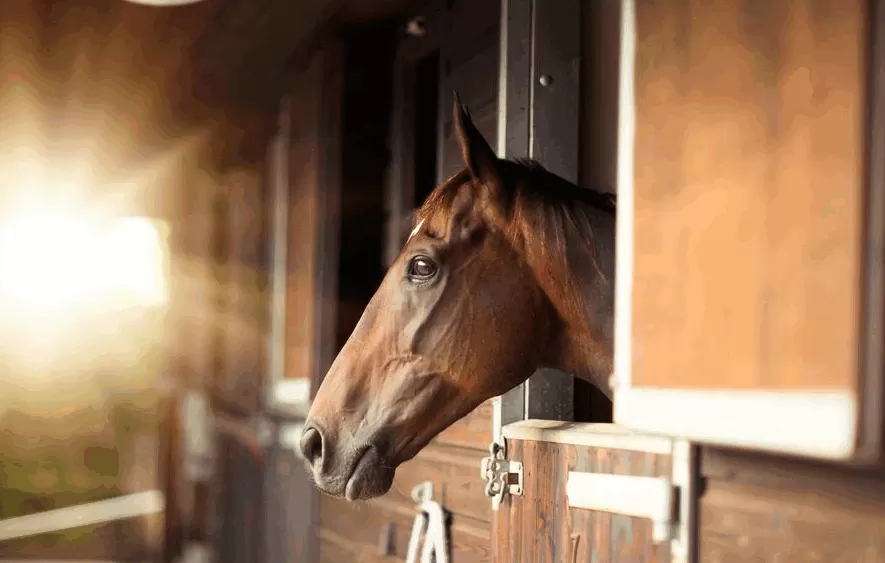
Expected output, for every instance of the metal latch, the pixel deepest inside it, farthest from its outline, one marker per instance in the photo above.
(500, 474)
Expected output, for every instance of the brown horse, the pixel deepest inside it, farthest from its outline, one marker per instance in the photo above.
(509, 268)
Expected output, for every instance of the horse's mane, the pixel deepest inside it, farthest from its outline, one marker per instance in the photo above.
(548, 206)
(531, 179)
(555, 188)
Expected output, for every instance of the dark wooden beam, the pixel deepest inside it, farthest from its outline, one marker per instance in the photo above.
(539, 108)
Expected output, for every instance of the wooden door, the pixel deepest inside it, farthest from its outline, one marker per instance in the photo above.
(556, 517)
(749, 271)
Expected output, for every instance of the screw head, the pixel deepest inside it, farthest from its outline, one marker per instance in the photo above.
(416, 27)
(546, 80)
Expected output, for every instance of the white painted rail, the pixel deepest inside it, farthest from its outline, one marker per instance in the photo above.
(118, 508)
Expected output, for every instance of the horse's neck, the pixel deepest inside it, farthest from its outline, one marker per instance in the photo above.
(585, 345)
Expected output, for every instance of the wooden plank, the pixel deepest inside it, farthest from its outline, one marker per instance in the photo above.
(454, 473)
(749, 523)
(873, 322)
(600, 38)
(542, 40)
(511, 513)
(363, 525)
(594, 435)
(472, 431)
(759, 507)
(303, 223)
(556, 86)
(476, 78)
(755, 199)
(513, 128)
(473, 23)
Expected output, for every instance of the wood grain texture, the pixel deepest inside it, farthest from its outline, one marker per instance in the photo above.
(473, 431)
(762, 508)
(540, 526)
(357, 528)
(748, 185)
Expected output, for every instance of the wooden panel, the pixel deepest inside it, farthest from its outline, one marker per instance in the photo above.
(759, 508)
(244, 317)
(600, 38)
(474, 23)
(472, 431)
(364, 526)
(541, 527)
(303, 225)
(358, 528)
(454, 473)
(748, 184)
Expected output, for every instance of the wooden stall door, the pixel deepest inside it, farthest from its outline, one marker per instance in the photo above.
(748, 294)
(547, 524)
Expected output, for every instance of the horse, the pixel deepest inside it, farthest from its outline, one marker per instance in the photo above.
(509, 268)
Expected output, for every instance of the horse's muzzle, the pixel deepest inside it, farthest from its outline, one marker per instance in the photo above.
(345, 470)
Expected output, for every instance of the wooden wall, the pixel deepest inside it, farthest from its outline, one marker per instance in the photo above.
(758, 508)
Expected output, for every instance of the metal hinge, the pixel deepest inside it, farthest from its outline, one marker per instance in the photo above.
(500, 474)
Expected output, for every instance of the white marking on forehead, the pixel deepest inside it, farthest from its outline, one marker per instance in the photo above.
(417, 229)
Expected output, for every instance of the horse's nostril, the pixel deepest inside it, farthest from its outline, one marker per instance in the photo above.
(312, 445)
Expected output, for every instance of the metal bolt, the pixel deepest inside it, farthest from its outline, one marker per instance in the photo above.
(416, 27)
(546, 80)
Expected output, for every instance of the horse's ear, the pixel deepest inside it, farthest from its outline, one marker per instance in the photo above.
(479, 158)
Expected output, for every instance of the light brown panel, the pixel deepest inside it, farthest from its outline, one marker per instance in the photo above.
(540, 526)
(748, 191)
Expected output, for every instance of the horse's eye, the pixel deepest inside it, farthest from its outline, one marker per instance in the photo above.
(421, 268)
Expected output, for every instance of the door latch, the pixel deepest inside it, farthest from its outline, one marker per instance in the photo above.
(501, 475)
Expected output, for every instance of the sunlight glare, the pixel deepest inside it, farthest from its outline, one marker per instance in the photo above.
(58, 261)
